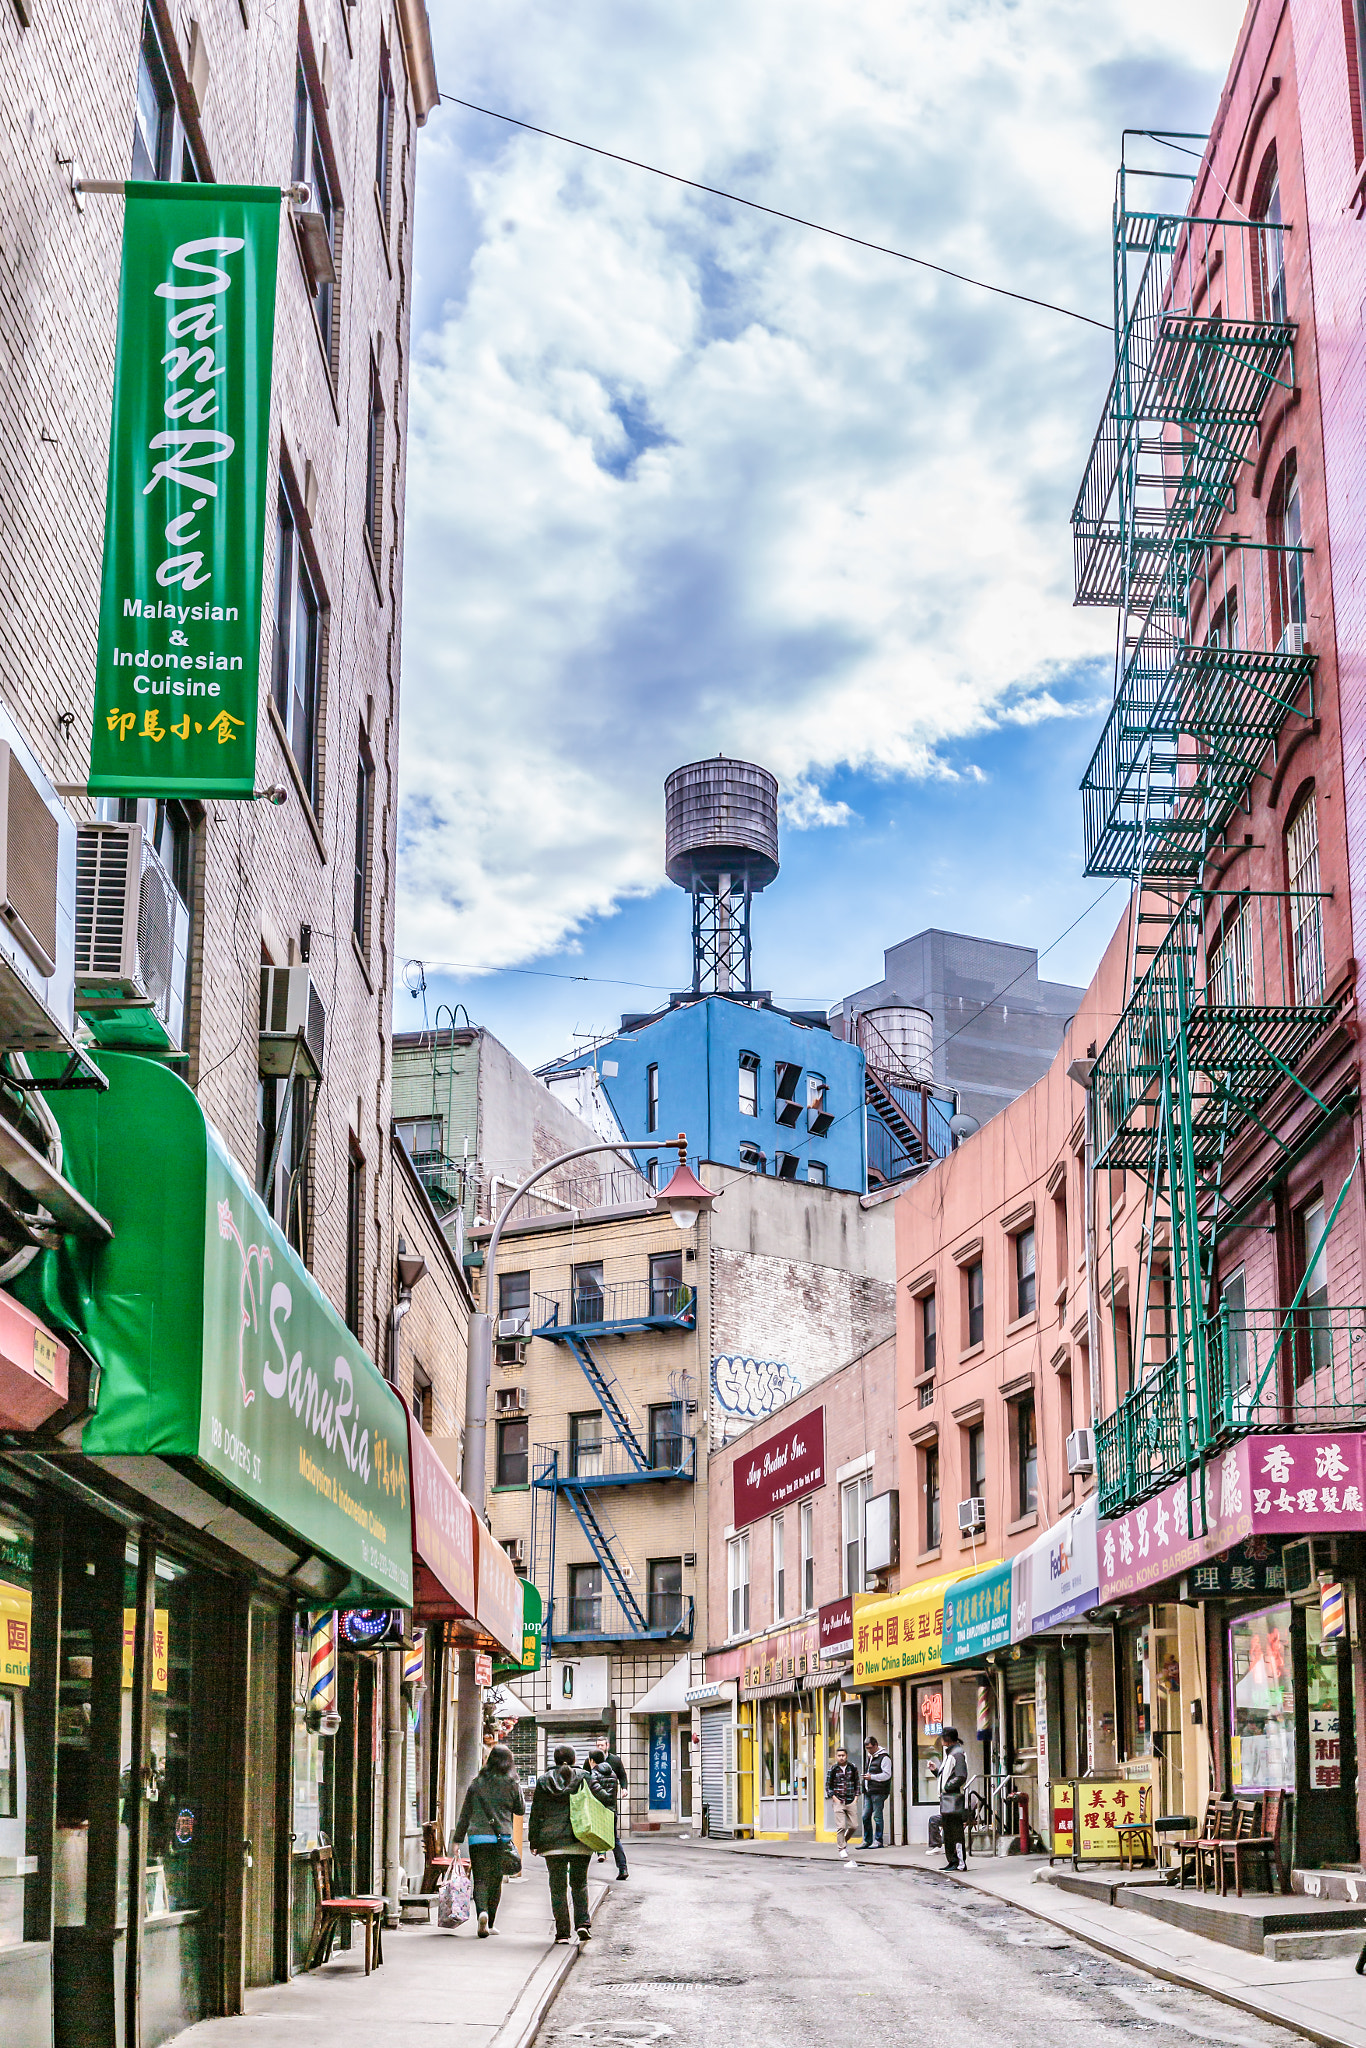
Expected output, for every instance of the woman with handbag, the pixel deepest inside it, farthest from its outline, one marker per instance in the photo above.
(485, 1822)
(551, 1834)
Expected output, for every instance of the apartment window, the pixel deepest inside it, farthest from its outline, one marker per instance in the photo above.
(1355, 25)
(162, 150)
(1065, 1409)
(1311, 1254)
(283, 1113)
(1229, 981)
(652, 1172)
(977, 1461)
(585, 1445)
(512, 1453)
(1285, 530)
(749, 1084)
(422, 1400)
(652, 1098)
(667, 1432)
(1026, 1457)
(1271, 265)
(514, 1294)
(588, 1301)
(1024, 1273)
(420, 1136)
(1306, 908)
(806, 1518)
(665, 1587)
(666, 1283)
(384, 132)
(815, 1172)
(585, 1599)
(852, 1498)
(1233, 1320)
(974, 1287)
(737, 1579)
(1223, 630)
(929, 1334)
(298, 647)
(779, 1528)
(930, 1484)
(360, 881)
(310, 168)
(355, 1223)
(752, 1159)
(374, 466)
(819, 1116)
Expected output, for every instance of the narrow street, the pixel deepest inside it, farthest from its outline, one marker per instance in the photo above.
(699, 1947)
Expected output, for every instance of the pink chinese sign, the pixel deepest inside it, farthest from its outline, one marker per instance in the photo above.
(1266, 1485)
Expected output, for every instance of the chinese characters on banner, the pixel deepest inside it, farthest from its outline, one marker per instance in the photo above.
(161, 1628)
(977, 1615)
(788, 1655)
(905, 1634)
(178, 664)
(1103, 1809)
(1325, 1750)
(661, 1765)
(1272, 1485)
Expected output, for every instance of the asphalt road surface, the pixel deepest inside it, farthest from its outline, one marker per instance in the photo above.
(707, 1948)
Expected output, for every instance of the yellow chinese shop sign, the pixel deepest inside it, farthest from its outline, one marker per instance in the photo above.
(161, 1631)
(16, 1622)
(900, 1637)
(1104, 1808)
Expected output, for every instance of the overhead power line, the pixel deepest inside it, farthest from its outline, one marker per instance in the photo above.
(776, 213)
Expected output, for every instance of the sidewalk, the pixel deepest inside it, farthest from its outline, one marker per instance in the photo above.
(1326, 2001)
(496, 1990)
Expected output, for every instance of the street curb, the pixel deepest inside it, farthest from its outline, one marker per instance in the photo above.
(521, 2026)
(1168, 1976)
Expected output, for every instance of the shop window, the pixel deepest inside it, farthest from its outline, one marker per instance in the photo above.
(930, 1489)
(587, 1291)
(1262, 1685)
(973, 1281)
(1324, 1691)
(180, 1762)
(749, 1084)
(513, 1453)
(928, 1730)
(853, 1495)
(652, 1098)
(1306, 907)
(664, 1577)
(1023, 1729)
(666, 1283)
(737, 1578)
(585, 1445)
(1026, 1428)
(779, 1528)
(585, 1599)
(514, 1294)
(1024, 1273)
(16, 1649)
(806, 1526)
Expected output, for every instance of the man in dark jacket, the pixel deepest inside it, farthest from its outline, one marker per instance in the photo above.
(953, 1779)
(606, 1778)
(877, 1783)
(841, 1789)
(550, 1833)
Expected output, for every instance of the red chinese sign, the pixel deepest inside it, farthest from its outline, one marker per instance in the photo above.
(779, 1469)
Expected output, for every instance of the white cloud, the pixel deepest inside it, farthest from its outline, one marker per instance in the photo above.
(685, 479)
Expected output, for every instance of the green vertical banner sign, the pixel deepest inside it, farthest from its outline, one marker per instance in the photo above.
(177, 678)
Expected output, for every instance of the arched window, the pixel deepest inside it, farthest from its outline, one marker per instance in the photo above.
(1285, 536)
(1223, 630)
(1306, 906)
(1354, 22)
(1270, 244)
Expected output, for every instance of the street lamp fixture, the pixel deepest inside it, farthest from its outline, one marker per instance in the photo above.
(685, 1198)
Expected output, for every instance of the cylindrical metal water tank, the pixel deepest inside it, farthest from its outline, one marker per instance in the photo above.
(910, 1034)
(721, 818)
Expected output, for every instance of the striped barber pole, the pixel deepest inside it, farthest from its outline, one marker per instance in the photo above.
(322, 1662)
(414, 1660)
(1333, 1612)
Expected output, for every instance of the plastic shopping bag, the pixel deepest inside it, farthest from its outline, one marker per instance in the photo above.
(593, 1823)
(454, 1900)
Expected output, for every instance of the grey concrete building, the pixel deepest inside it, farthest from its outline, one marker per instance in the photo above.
(989, 1024)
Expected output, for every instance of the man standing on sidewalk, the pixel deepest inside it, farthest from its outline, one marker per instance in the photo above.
(841, 1789)
(953, 1778)
(607, 1777)
(877, 1783)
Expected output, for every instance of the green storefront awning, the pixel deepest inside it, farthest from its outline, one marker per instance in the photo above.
(217, 1349)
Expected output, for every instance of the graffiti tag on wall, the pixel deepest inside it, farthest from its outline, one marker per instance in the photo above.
(753, 1387)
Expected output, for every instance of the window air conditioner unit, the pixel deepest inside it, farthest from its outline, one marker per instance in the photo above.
(1081, 1451)
(1306, 1562)
(515, 1546)
(292, 1021)
(37, 904)
(514, 1328)
(132, 939)
(510, 1401)
(1292, 641)
(972, 1517)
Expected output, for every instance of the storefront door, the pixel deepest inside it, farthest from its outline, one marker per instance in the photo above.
(260, 1939)
(780, 1797)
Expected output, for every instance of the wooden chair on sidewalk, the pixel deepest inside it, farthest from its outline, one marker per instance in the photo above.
(330, 1911)
(435, 1866)
(1188, 1851)
(1261, 1839)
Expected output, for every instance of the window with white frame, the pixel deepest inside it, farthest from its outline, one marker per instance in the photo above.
(1306, 907)
(298, 647)
(853, 1496)
(1228, 982)
(749, 1084)
(737, 1574)
(806, 1531)
(779, 1526)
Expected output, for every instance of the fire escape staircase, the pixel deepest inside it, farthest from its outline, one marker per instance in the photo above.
(904, 1104)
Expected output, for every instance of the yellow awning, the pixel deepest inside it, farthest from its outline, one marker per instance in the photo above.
(903, 1636)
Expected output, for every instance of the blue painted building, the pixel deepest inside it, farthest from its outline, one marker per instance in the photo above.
(750, 1085)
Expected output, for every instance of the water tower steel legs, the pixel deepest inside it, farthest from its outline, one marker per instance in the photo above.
(720, 935)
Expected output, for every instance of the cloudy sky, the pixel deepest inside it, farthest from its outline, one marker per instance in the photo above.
(685, 479)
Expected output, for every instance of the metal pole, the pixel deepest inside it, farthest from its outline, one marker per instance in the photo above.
(393, 1783)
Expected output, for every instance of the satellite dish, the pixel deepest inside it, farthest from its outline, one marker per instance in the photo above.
(961, 1126)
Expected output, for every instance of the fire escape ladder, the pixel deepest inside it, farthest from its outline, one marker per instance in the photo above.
(603, 1541)
(614, 1402)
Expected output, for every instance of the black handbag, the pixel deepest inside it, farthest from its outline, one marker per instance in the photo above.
(512, 1862)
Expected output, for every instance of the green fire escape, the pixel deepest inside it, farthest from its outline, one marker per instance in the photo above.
(1225, 991)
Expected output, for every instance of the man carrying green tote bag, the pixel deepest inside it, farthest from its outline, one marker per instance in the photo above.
(552, 1833)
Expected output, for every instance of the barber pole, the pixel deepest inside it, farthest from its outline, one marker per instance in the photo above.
(414, 1660)
(322, 1662)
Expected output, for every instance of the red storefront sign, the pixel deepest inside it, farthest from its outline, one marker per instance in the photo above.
(837, 1626)
(779, 1469)
(443, 1537)
(499, 1605)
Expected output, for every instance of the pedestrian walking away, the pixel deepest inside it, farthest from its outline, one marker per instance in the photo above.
(485, 1822)
(606, 1778)
(877, 1783)
(551, 1834)
(841, 1789)
(953, 1779)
